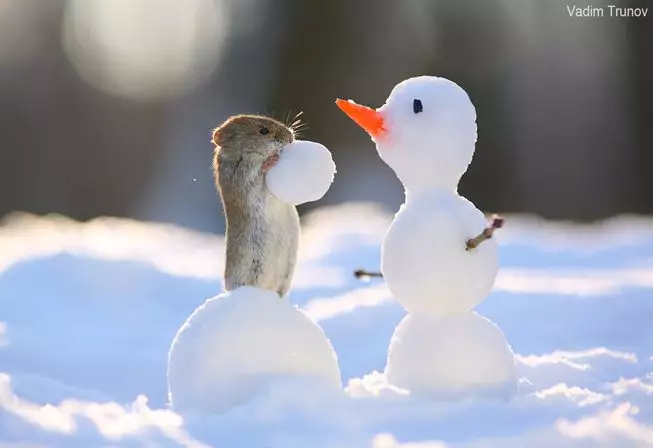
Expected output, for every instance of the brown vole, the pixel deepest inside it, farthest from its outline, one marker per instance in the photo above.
(262, 231)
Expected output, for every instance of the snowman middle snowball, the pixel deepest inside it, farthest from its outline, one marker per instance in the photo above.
(423, 258)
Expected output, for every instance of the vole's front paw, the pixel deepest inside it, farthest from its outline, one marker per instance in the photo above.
(270, 162)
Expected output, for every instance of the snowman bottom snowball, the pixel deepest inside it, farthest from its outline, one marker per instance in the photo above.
(239, 343)
(304, 173)
(451, 357)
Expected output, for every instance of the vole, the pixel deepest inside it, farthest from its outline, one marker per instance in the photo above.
(262, 232)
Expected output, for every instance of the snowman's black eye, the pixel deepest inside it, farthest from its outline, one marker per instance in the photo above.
(417, 106)
(264, 131)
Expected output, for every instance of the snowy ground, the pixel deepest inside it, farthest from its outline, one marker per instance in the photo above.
(88, 311)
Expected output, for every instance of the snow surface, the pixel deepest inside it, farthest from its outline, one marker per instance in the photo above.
(237, 344)
(89, 310)
(303, 174)
(446, 278)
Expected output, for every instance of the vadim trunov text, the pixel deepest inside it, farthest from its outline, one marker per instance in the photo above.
(607, 11)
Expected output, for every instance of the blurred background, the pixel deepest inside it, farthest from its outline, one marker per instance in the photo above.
(106, 106)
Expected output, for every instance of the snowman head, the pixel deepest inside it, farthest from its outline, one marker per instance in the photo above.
(425, 131)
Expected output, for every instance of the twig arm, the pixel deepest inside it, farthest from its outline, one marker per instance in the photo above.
(496, 223)
(362, 273)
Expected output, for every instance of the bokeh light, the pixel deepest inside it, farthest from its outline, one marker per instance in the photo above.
(145, 49)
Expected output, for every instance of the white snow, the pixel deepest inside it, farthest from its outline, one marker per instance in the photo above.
(424, 261)
(236, 345)
(303, 174)
(451, 357)
(3, 335)
(90, 310)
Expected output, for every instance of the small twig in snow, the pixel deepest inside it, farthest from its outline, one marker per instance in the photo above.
(486, 234)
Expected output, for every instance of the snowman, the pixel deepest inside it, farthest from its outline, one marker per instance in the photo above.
(242, 344)
(438, 258)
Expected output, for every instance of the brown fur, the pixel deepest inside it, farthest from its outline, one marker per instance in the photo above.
(262, 231)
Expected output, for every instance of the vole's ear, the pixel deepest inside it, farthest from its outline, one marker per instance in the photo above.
(215, 136)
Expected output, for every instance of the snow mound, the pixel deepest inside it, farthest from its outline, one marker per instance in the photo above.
(304, 173)
(240, 343)
(442, 277)
(451, 357)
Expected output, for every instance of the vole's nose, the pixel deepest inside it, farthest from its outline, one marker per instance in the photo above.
(285, 137)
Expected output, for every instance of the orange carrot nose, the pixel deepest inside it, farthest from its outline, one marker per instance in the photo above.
(363, 116)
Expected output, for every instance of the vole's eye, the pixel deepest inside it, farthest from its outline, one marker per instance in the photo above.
(264, 131)
(417, 106)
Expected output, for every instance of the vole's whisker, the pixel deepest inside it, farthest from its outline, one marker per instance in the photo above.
(298, 125)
